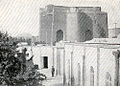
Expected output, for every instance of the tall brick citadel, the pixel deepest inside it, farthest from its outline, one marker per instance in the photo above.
(72, 23)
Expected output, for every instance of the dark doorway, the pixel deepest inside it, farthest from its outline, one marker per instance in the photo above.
(45, 62)
(59, 35)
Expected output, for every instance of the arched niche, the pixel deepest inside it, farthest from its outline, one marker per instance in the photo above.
(59, 35)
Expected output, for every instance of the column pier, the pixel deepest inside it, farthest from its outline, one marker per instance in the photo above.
(117, 56)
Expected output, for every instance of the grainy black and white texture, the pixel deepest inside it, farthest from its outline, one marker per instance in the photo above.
(59, 43)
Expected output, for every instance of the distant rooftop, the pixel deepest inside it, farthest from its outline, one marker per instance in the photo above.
(97, 8)
(111, 41)
(105, 40)
(74, 6)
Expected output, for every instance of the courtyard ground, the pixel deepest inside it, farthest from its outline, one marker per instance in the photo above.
(53, 81)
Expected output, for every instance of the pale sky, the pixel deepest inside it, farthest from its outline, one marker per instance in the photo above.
(22, 16)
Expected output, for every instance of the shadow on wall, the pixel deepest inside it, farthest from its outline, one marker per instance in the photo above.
(101, 31)
(85, 23)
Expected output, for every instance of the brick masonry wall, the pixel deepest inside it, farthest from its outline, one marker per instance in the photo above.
(78, 22)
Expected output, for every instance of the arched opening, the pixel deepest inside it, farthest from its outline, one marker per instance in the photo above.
(108, 79)
(59, 35)
(91, 76)
(88, 35)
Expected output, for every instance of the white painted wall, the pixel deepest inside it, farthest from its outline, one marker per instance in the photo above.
(36, 53)
(46, 51)
(78, 58)
(90, 60)
(107, 61)
(68, 50)
(107, 64)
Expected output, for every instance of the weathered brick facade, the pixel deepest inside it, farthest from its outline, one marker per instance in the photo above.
(72, 23)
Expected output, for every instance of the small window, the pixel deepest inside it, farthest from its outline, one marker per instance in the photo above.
(45, 62)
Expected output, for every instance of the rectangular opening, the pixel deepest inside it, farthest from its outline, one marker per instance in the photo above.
(45, 62)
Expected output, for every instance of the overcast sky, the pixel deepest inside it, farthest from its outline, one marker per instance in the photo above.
(22, 16)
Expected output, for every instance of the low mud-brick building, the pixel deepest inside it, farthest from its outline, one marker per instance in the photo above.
(72, 23)
(90, 63)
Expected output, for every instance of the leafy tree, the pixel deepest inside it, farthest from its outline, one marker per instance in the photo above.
(15, 70)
